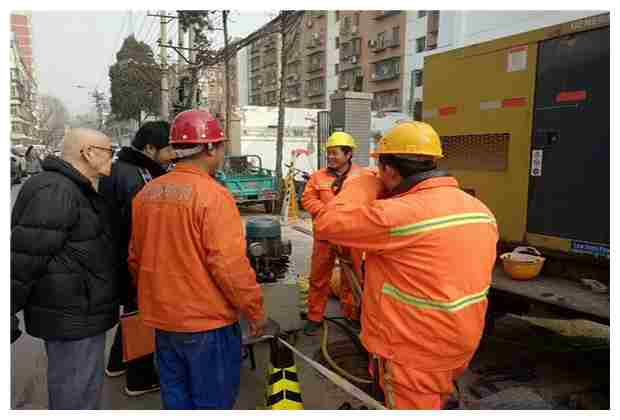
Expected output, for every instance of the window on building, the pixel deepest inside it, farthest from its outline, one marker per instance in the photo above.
(396, 35)
(381, 40)
(347, 24)
(387, 69)
(315, 62)
(357, 46)
(418, 78)
(420, 44)
(336, 68)
(356, 19)
(337, 42)
(315, 85)
(421, 13)
(337, 15)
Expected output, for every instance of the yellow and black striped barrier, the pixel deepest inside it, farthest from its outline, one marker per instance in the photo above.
(283, 390)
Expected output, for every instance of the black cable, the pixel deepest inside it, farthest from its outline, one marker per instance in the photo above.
(350, 332)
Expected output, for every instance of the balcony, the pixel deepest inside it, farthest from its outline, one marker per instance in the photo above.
(381, 77)
(315, 92)
(386, 13)
(392, 43)
(293, 98)
(314, 43)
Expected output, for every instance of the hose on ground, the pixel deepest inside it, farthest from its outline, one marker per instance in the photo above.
(333, 364)
(354, 337)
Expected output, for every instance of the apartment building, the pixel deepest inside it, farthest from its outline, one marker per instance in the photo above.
(264, 64)
(23, 97)
(314, 44)
(215, 87)
(21, 26)
(306, 82)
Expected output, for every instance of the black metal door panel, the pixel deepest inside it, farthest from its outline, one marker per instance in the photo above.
(569, 173)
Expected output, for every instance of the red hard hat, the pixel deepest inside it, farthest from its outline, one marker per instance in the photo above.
(195, 127)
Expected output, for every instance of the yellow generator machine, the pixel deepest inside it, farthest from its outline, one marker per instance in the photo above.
(524, 122)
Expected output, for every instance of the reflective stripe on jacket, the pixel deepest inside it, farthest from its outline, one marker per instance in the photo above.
(430, 255)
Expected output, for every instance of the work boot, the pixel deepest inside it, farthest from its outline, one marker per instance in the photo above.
(312, 327)
(116, 367)
(141, 376)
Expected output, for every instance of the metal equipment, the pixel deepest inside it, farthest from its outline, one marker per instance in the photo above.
(267, 252)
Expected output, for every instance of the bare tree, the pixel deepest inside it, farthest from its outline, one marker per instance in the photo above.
(289, 31)
(53, 117)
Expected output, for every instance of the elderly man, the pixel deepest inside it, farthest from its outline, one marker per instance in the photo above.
(63, 268)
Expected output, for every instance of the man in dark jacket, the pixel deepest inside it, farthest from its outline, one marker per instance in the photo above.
(63, 268)
(136, 165)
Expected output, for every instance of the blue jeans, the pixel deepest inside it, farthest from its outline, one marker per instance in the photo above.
(75, 371)
(201, 370)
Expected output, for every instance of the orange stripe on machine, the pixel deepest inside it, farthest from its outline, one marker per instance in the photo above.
(514, 102)
(575, 96)
(447, 110)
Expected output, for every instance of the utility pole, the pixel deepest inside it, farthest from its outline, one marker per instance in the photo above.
(227, 75)
(165, 113)
(181, 45)
(192, 58)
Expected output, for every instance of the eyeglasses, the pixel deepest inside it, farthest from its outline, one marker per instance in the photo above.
(108, 149)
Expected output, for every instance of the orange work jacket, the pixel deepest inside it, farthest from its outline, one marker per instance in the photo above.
(430, 252)
(318, 190)
(188, 255)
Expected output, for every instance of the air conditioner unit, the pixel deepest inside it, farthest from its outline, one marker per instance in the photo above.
(354, 59)
(315, 36)
(309, 23)
(354, 29)
(372, 43)
(374, 76)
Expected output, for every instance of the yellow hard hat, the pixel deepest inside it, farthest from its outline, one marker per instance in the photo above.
(410, 138)
(340, 139)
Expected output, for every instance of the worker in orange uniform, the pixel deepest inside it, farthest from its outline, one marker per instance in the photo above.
(321, 188)
(188, 256)
(430, 251)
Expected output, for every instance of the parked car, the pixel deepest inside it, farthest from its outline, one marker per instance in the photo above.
(17, 170)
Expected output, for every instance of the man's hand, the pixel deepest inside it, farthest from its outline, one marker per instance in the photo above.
(257, 328)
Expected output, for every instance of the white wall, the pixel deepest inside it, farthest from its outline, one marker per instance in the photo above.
(459, 29)
(258, 135)
(243, 81)
(333, 55)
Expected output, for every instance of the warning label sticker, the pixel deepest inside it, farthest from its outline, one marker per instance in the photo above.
(517, 59)
(537, 157)
(597, 250)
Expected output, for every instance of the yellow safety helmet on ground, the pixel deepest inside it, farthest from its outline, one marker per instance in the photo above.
(410, 138)
(341, 139)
